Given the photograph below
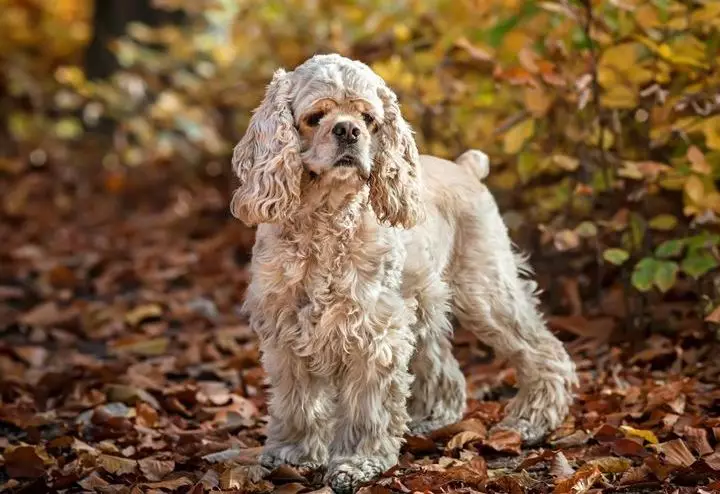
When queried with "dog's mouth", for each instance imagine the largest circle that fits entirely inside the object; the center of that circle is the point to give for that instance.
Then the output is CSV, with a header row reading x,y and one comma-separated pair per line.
x,y
348,161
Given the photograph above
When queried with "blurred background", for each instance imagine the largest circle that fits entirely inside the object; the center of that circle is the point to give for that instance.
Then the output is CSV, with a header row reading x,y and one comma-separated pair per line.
x,y
602,118
122,271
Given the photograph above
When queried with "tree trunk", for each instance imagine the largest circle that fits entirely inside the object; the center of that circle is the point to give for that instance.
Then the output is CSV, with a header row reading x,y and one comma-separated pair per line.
x,y
110,21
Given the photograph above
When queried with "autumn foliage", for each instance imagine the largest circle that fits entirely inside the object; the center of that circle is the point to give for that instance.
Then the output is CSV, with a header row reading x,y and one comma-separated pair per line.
x,y
119,359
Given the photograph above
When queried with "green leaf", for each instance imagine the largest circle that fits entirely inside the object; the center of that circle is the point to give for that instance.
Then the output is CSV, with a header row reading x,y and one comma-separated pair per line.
x,y
586,229
616,256
670,248
666,275
663,222
703,241
644,274
699,264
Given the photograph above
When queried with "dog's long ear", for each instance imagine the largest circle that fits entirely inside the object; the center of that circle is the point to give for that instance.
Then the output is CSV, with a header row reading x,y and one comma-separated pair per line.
x,y
395,178
267,160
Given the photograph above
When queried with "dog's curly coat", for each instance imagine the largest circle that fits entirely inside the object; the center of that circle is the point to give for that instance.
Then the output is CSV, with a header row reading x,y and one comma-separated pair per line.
x,y
363,252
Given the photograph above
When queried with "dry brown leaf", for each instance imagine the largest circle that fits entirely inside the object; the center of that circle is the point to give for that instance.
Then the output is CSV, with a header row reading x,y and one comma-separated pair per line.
x,y
713,461
419,444
142,313
169,484
155,469
504,441
560,467
577,438
461,439
698,440
35,356
150,347
676,453
46,314
145,415
628,447
26,461
447,432
582,481
635,475
611,464
93,482
291,488
116,464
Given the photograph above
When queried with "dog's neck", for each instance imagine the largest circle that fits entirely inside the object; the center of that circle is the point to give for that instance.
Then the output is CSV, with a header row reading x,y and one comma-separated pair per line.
x,y
330,209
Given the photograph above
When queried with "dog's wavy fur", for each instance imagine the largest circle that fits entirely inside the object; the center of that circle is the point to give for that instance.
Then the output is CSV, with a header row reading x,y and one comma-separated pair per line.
x,y
355,279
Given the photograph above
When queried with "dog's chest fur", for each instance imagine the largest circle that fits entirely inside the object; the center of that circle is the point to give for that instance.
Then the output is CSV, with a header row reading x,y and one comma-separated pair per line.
x,y
327,287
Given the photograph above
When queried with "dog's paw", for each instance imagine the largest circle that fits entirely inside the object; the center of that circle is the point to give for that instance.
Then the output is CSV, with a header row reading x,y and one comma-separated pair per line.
x,y
531,434
344,477
421,427
273,458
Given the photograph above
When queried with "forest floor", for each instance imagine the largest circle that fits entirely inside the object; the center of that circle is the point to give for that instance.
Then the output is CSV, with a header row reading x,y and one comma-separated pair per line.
x,y
125,367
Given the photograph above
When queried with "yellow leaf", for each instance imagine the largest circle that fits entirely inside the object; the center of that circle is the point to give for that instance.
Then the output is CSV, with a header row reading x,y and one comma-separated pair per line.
x,y
517,136
566,162
711,128
649,436
143,312
695,189
536,101
620,96
697,158
664,51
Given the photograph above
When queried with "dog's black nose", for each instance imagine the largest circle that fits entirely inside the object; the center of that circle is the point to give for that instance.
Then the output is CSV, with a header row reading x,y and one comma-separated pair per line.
x,y
346,132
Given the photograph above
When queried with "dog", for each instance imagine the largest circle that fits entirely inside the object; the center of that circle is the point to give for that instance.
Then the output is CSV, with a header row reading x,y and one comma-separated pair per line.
x,y
364,253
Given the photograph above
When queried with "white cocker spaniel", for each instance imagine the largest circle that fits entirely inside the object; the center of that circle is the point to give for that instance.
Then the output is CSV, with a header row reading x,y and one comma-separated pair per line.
x,y
364,252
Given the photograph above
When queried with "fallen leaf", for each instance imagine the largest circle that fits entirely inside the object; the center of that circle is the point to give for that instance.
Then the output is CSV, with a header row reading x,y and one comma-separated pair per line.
x,y
504,441
628,447
697,439
142,313
577,438
117,465
635,475
648,436
155,469
461,439
560,468
713,461
169,484
676,453
611,464
150,347
420,444
292,488
449,431
26,461
582,481
93,482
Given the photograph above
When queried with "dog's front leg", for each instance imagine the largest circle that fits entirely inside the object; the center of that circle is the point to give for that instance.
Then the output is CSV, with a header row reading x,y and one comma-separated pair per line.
x,y
372,414
301,407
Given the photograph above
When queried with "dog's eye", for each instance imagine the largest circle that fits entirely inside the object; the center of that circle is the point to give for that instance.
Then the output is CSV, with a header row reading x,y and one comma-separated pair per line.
x,y
369,119
314,119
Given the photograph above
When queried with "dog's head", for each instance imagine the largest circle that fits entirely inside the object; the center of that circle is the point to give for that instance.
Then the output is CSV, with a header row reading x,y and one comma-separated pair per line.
x,y
332,121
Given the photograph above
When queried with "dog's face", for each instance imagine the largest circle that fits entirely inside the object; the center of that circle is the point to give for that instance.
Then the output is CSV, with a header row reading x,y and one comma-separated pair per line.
x,y
331,119
339,134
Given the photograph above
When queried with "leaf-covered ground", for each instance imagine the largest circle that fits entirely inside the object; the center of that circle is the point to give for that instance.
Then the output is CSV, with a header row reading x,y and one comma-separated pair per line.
x,y
124,366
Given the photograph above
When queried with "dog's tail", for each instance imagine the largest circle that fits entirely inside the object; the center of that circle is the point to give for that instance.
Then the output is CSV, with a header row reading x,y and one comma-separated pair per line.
x,y
477,161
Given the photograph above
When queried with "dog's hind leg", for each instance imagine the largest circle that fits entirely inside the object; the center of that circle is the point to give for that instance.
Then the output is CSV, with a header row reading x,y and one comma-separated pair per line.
x,y
492,299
